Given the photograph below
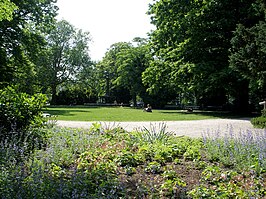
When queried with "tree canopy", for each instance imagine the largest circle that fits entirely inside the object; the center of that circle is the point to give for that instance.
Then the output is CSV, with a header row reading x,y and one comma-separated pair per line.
x,y
6,10
21,36
65,55
202,52
191,49
248,51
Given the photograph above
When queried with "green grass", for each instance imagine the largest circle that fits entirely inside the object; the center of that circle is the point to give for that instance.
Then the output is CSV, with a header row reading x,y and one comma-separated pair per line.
x,y
128,114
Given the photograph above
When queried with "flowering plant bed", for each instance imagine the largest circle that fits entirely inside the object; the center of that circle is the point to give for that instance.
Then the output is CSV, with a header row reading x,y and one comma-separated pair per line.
x,y
108,162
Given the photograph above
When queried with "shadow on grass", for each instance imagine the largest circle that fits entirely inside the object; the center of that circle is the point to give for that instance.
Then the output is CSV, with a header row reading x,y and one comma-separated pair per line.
x,y
72,107
65,112
215,114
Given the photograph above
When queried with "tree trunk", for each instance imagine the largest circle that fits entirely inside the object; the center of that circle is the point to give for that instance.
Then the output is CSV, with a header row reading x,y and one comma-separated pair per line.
x,y
242,99
134,98
54,96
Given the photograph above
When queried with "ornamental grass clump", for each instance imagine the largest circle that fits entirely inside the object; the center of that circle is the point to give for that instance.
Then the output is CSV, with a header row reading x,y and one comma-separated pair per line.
x,y
155,133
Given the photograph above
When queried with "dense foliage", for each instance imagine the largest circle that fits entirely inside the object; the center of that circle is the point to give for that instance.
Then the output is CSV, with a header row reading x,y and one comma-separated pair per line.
x,y
107,74
6,10
108,162
131,62
19,115
210,52
21,39
65,54
260,122
76,93
121,72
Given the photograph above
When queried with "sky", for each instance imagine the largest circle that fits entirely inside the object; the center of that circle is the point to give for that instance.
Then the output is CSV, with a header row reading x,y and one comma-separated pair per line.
x,y
108,21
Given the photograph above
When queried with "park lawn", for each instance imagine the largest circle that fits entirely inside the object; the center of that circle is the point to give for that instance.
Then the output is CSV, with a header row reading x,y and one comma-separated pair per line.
x,y
125,114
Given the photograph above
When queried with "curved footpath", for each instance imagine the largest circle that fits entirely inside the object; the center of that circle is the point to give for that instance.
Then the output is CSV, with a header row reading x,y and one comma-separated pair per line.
x,y
193,128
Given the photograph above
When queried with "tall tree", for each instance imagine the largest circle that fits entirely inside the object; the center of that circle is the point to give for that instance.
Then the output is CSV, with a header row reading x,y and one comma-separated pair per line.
x,y
20,37
65,55
191,46
130,65
107,70
171,68
248,52
88,80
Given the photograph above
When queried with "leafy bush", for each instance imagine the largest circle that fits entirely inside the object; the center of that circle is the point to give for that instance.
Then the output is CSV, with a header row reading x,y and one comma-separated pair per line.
x,y
75,95
173,188
263,113
19,113
259,122
162,153
128,159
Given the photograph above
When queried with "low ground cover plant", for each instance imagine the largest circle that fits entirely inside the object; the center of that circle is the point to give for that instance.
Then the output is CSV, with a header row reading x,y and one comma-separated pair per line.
x,y
108,162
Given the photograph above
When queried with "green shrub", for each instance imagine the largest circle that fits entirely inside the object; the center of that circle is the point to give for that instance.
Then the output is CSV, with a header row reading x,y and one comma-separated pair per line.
x,y
173,188
163,153
259,122
263,113
19,112
129,159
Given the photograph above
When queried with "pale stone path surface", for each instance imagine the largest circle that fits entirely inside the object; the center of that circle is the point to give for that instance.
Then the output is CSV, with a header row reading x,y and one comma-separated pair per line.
x,y
193,128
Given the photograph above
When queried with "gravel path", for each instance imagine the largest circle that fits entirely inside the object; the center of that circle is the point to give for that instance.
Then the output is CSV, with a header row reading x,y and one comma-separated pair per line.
x,y
188,128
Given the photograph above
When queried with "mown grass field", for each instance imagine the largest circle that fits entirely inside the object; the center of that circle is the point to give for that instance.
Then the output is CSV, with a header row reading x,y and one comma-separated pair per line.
x,y
128,114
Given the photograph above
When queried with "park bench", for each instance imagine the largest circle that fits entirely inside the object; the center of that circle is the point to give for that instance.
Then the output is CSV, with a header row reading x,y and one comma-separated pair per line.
x,y
191,108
